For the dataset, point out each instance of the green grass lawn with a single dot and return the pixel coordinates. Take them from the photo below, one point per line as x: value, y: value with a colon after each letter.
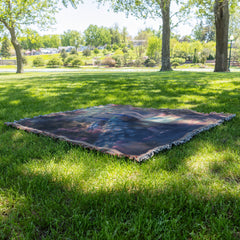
x: 52, y: 190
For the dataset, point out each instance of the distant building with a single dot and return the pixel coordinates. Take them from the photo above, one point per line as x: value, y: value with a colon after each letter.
x: 67, y: 48
x: 8, y: 62
x: 33, y: 52
x: 48, y: 50
x: 137, y: 43
x: 82, y: 48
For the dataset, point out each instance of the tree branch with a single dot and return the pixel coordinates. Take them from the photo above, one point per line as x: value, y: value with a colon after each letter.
x: 5, y: 23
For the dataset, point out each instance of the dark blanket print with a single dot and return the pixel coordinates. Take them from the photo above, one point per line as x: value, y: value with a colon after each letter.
x: 123, y: 130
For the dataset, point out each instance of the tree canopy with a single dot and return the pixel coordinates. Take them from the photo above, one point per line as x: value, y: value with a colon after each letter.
x: 71, y: 38
x: 22, y: 13
x: 97, y: 36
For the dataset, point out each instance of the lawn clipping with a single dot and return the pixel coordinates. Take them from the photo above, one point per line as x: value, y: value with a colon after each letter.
x: 123, y: 130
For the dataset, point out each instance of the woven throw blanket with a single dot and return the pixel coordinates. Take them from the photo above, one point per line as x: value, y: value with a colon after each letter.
x: 122, y: 130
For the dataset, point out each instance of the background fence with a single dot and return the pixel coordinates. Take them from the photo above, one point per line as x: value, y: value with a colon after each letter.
x: 8, y: 62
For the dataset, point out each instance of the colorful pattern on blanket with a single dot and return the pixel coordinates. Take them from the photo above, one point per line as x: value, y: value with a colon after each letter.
x: 123, y: 130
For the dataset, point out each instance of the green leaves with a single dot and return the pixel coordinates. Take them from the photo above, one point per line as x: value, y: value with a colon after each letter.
x: 71, y: 38
x: 97, y: 36
x: 21, y: 13
x: 5, y: 49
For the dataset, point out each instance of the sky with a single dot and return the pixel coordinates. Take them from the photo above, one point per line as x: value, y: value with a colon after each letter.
x: 88, y: 13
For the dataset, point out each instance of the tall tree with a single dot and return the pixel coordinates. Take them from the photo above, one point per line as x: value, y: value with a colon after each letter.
x: 5, y: 49
x: 51, y: 41
x: 221, y: 13
x: 32, y: 40
x: 115, y: 35
x: 72, y: 38
x: 16, y: 15
x: 154, y: 48
x: 144, y: 34
x: 124, y: 35
x: 221, y: 10
x: 97, y: 36
x: 166, y: 33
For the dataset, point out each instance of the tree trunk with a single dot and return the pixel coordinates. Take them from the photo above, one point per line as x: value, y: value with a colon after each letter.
x: 165, y: 8
x: 17, y: 48
x: 221, y: 12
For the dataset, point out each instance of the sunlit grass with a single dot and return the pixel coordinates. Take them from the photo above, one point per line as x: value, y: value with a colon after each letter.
x: 52, y: 190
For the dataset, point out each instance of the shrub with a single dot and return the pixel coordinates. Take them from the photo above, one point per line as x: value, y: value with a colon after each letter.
x: 126, y: 59
x: 195, y: 59
x: 76, y: 62
x: 109, y: 61
x: 96, y: 50
x: 211, y: 57
x: 74, y: 51
x: 203, y: 59
x: 150, y: 62
x: 195, y: 56
x: 178, y: 60
x: 175, y: 64
x: 119, y: 60
x: 97, y: 62
x: 180, y: 54
x: 125, y: 50
x: 38, y: 62
x: 24, y: 60
x: 153, y: 49
x: 115, y: 46
x: 54, y: 62
x: 138, y: 62
x: 105, y: 52
x: 122, y: 45
x: 109, y: 48
x: 86, y: 52
x: 63, y: 54
x: 130, y: 63
x: 131, y: 46
x: 73, y: 61
x: 68, y: 60
x: 118, y: 52
x: 236, y: 54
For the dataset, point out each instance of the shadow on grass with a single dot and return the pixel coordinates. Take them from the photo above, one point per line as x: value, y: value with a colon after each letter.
x: 48, y: 207
x: 111, y: 198
x: 71, y: 91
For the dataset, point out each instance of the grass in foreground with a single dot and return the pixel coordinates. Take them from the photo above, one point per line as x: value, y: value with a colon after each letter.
x: 53, y: 190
